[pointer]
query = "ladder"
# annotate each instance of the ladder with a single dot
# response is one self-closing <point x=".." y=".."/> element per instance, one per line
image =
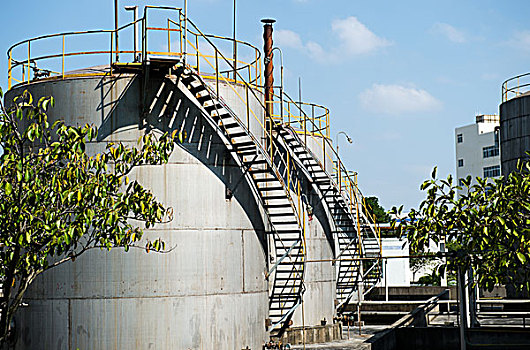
<point x="287" y="268"/>
<point x="342" y="212"/>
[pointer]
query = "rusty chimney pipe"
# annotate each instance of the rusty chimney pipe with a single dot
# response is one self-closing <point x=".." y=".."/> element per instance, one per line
<point x="269" y="68"/>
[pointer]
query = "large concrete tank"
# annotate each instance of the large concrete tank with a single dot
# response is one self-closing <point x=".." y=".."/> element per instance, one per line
<point x="514" y="128"/>
<point x="209" y="292"/>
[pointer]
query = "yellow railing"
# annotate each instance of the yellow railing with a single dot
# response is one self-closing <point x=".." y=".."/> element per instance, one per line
<point x="346" y="180"/>
<point x="515" y="86"/>
<point x="314" y="120"/>
<point x="54" y="56"/>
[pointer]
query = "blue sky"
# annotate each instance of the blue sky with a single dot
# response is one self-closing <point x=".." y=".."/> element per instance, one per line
<point x="398" y="77"/>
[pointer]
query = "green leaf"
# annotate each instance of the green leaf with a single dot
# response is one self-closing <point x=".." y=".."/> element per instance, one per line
<point x="8" y="188"/>
<point x="521" y="257"/>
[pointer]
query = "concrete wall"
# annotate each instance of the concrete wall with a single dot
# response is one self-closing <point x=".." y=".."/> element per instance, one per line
<point x="208" y="292"/>
<point x="515" y="132"/>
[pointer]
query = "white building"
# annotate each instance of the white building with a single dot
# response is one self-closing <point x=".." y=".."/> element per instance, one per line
<point x="477" y="148"/>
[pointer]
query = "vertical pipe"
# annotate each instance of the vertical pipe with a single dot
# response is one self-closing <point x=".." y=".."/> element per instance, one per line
<point x="116" y="29"/>
<point x="144" y="36"/>
<point x="386" y="279"/>
<point x="135" y="31"/>
<point x="186" y="30"/>
<point x="269" y="68"/>
<point x="180" y="30"/>
<point x="62" y="68"/>
<point x="462" y="307"/>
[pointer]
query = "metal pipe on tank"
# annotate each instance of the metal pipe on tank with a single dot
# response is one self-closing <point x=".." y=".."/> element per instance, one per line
<point x="269" y="67"/>
<point x="116" y="28"/>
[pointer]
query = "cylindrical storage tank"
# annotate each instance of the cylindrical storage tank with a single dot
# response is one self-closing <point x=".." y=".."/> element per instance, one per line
<point x="514" y="131"/>
<point x="209" y="291"/>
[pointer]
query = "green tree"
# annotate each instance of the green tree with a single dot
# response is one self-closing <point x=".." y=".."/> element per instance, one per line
<point x="488" y="224"/>
<point x="376" y="210"/>
<point x="57" y="202"/>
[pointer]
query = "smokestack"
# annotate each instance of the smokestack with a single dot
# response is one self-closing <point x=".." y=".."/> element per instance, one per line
<point x="269" y="68"/>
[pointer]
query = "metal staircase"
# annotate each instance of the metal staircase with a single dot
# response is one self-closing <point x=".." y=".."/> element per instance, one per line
<point x="287" y="268"/>
<point x="354" y="235"/>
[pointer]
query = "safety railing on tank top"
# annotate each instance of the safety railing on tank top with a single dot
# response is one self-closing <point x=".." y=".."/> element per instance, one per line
<point x="203" y="56"/>
<point x="317" y="131"/>
<point x="55" y="56"/>
<point x="515" y="87"/>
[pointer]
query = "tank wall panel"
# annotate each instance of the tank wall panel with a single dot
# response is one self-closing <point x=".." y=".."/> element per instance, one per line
<point x="514" y="132"/>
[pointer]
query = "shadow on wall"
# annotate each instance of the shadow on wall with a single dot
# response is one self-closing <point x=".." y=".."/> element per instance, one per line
<point x="166" y="109"/>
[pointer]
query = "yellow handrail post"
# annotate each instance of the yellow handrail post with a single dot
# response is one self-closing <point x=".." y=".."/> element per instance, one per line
<point x="9" y="73"/>
<point x="217" y="72"/>
<point x="270" y="135"/>
<point x="288" y="172"/>
<point x="197" y="48"/>
<point x="340" y="175"/>
<point x="29" y="58"/>
<point x="168" y="37"/>
<point x="62" y="67"/>
<point x="248" y="107"/>
<point x="249" y="75"/>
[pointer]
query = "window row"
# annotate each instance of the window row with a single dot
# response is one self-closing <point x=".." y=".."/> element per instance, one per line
<point x="492" y="171"/>
<point x="490" y="151"/>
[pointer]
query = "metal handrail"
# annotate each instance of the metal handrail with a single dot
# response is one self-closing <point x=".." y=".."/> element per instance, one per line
<point x="28" y="62"/>
<point x="346" y="181"/>
<point x="517" y="89"/>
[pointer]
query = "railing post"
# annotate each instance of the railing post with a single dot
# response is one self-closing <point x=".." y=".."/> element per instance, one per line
<point x="248" y="107"/>
<point x="197" y="48"/>
<point x="217" y="73"/>
<point x="29" y="60"/>
<point x="111" y="51"/>
<point x="9" y="72"/>
<point x="168" y="37"/>
<point x="62" y="68"/>
<point x="181" y="33"/>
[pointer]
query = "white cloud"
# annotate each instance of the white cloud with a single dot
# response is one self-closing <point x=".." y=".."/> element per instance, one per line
<point x="397" y="99"/>
<point x="447" y="30"/>
<point x="288" y="38"/>
<point x="353" y="37"/>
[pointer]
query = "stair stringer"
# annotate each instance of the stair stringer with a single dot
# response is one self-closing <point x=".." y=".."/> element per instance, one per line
<point x="270" y="191"/>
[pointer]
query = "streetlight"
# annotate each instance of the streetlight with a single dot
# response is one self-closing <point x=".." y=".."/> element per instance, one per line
<point x="347" y="138"/>
<point x="135" y="19"/>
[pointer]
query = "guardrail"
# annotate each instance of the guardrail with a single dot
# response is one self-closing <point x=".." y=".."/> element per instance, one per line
<point x="52" y="56"/>
<point x="515" y="87"/>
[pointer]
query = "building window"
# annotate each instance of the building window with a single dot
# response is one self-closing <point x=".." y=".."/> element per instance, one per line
<point x="492" y="171"/>
<point x="459" y="138"/>
<point x="490" y="151"/>
<point x="460" y="163"/>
